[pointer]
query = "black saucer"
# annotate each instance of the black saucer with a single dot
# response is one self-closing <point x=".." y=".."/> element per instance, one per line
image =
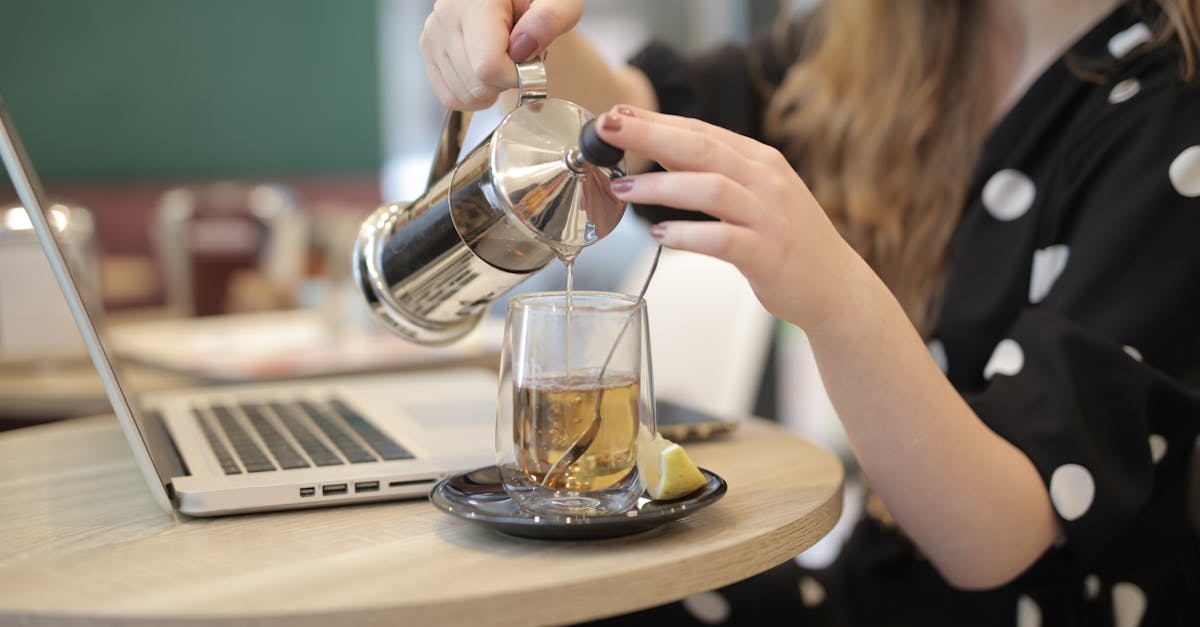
<point x="478" y="496"/>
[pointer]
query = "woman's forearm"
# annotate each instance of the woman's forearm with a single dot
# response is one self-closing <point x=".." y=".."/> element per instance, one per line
<point x="579" y="73"/>
<point x="971" y="501"/>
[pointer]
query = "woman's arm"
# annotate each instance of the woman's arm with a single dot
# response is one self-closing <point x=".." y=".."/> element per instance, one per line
<point x="970" y="500"/>
<point x="973" y="502"/>
<point x="577" y="72"/>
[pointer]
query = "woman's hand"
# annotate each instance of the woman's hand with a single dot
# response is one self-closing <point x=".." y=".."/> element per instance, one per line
<point x="770" y="226"/>
<point x="914" y="436"/>
<point x="469" y="46"/>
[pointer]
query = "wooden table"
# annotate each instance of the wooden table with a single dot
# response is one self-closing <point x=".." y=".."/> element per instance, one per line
<point x="85" y="544"/>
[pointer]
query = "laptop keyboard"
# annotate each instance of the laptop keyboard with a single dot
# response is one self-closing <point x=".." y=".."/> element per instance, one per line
<point x="282" y="435"/>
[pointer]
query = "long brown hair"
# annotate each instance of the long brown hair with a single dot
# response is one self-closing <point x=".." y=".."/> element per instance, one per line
<point x="885" y="118"/>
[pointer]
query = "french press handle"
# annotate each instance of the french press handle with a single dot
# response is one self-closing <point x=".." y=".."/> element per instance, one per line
<point x="531" y="85"/>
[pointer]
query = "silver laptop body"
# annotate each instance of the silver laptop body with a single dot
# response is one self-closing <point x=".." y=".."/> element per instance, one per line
<point x="282" y="445"/>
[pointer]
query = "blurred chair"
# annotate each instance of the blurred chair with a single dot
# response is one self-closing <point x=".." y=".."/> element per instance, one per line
<point x="230" y="247"/>
<point x="709" y="335"/>
<point x="36" y="325"/>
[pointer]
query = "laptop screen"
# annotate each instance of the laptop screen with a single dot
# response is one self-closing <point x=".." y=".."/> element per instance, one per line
<point x="154" y="468"/>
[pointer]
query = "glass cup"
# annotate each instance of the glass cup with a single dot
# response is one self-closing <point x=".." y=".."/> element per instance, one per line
<point x="575" y="389"/>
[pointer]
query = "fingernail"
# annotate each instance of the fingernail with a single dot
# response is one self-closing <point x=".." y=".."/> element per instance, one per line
<point x="610" y="122"/>
<point x="623" y="184"/>
<point x="624" y="110"/>
<point x="658" y="232"/>
<point x="522" y="47"/>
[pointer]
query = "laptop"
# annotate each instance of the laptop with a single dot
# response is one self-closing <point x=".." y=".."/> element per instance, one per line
<point x="279" y="445"/>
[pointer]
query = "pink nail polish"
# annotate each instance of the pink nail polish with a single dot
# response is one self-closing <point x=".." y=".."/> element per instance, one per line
<point x="658" y="232"/>
<point x="610" y="122"/>
<point x="522" y="47"/>
<point x="622" y="185"/>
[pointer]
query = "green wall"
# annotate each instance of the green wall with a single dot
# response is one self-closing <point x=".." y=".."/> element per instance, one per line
<point x="144" y="89"/>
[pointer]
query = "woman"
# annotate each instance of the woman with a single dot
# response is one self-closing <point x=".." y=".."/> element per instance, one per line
<point x="996" y="267"/>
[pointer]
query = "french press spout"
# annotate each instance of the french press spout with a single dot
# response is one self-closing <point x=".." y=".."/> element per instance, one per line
<point x="537" y="188"/>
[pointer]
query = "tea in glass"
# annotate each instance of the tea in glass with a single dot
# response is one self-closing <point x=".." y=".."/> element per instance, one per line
<point x="575" y="391"/>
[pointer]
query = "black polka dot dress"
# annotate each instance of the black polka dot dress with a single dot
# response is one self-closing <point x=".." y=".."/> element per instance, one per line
<point x="1070" y="324"/>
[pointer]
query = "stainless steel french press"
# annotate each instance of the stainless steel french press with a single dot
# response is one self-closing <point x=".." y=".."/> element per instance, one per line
<point x="538" y="187"/>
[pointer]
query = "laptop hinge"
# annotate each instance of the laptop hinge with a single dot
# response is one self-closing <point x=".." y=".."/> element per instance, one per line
<point x="163" y="449"/>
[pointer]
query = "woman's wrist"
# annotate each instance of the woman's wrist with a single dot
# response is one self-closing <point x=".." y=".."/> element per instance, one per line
<point x="855" y="308"/>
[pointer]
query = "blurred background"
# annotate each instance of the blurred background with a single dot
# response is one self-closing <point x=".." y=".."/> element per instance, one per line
<point x="121" y="101"/>
<point x="213" y="159"/>
<point x="217" y="156"/>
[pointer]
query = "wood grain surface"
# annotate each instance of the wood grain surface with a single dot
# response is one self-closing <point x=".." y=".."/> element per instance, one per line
<point x="83" y="543"/>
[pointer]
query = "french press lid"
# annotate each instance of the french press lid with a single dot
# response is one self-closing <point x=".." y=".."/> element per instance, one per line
<point x="549" y="172"/>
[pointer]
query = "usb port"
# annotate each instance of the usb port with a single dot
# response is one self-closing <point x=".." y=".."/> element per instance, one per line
<point x="333" y="488"/>
<point x="366" y="486"/>
<point x="307" y="491"/>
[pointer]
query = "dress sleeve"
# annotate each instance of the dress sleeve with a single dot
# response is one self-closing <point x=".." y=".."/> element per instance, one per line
<point x="1097" y="378"/>
<point x="728" y="86"/>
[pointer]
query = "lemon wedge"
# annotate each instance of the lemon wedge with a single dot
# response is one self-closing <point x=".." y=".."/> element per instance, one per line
<point x="665" y="468"/>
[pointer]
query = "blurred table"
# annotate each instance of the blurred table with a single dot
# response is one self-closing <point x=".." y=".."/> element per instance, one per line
<point x="86" y="544"/>
<point x="164" y="350"/>
<point x="40" y="393"/>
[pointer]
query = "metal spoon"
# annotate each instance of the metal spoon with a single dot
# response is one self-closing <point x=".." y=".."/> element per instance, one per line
<point x="585" y="439"/>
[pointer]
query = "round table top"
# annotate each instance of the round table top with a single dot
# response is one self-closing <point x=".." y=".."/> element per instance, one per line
<point x="84" y="542"/>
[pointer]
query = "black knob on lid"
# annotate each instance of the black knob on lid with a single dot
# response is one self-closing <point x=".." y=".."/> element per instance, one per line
<point x="596" y="150"/>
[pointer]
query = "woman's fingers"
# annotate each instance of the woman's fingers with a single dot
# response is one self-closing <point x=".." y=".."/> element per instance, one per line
<point x="464" y="45"/>
<point x="714" y="194"/>
<point x="472" y="92"/>
<point x="673" y="147"/>
<point x="440" y="89"/>
<point x="485" y="35"/>
<point x="729" y="242"/>
<point x="541" y="22"/>
<point x="747" y="147"/>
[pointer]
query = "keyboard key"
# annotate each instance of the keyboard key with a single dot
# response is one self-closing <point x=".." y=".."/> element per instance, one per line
<point x="218" y="447"/>
<point x="284" y="452"/>
<point x="376" y="439"/>
<point x="340" y="438"/>
<point x="317" y="451"/>
<point x="253" y="458"/>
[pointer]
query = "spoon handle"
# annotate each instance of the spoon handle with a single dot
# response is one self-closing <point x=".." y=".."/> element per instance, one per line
<point x="585" y="439"/>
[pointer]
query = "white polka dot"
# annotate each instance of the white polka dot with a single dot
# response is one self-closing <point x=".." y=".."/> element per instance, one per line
<point x="937" y="350"/>
<point x="1185" y="172"/>
<point x="709" y="608"/>
<point x="1008" y="195"/>
<point x="1125" y="41"/>
<point x="1048" y="264"/>
<point x="1124" y="90"/>
<point x="1072" y="490"/>
<point x="1028" y="612"/>
<point x="1158" y="447"/>
<point x="1091" y="587"/>
<point x="1132" y="352"/>
<point x="1008" y="359"/>
<point x="812" y="593"/>
<point x="1129" y="604"/>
